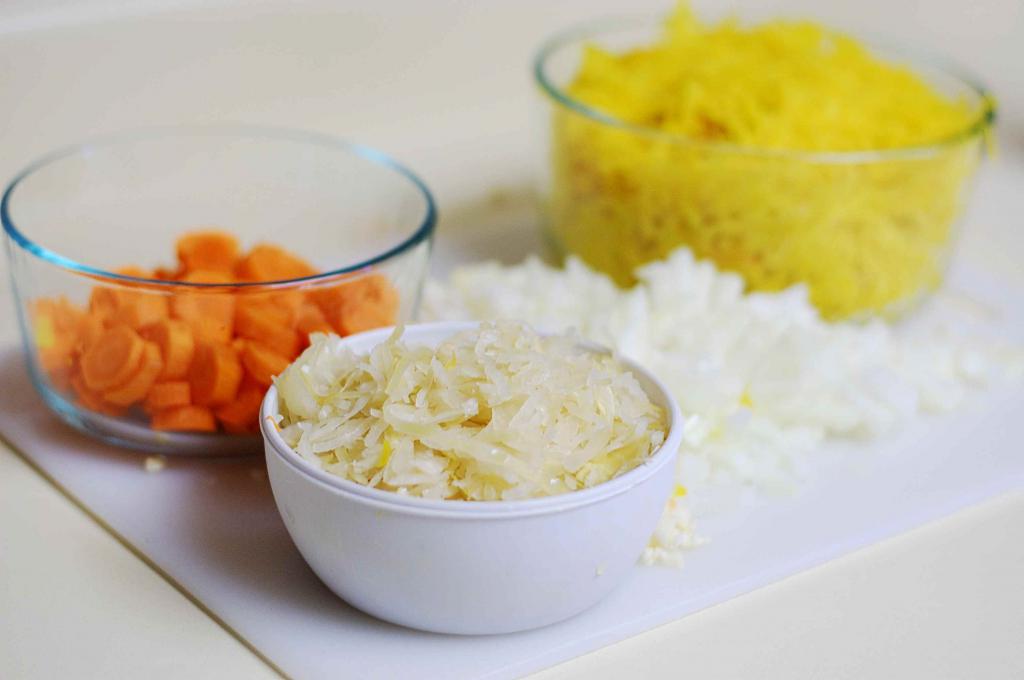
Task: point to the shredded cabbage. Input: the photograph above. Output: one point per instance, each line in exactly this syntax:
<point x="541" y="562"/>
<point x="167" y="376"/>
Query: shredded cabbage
<point x="495" y="413"/>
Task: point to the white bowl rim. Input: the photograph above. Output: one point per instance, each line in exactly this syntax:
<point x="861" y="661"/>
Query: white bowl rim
<point x="469" y="510"/>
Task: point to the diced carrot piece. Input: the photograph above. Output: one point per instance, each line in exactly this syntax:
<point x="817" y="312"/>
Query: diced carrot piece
<point x="263" y="363"/>
<point x="93" y="400"/>
<point x="163" y="395"/>
<point x="184" y="419"/>
<point x="168" y="274"/>
<point x="106" y="301"/>
<point x="103" y="302"/>
<point x="136" y="387"/>
<point x="210" y="314"/>
<point x="60" y="313"/>
<point x="90" y="328"/>
<point x="310" y="319"/>
<point x="242" y="414"/>
<point x="265" y="322"/>
<point x="208" y="250"/>
<point x="59" y="369"/>
<point x="215" y="374"/>
<point x="174" y="338"/>
<point x="271" y="263"/>
<point x="132" y="270"/>
<point x="137" y="309"/>
<point x="361" y="304"/>
<point x="54" y="331"/>
<point x="113" y="358"/>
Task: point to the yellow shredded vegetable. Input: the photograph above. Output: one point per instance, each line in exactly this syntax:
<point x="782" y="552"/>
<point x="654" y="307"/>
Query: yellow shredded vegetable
<point x="746" y="175"/>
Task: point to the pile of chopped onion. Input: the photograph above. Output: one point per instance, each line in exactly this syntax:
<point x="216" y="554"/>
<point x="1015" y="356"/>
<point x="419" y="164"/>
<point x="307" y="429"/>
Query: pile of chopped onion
<point x="495" y="413"/>
<point x="762" y="380"/>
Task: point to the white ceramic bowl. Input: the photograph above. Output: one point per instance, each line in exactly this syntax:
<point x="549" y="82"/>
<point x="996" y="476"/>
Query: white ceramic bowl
<point x="469" y="567"/>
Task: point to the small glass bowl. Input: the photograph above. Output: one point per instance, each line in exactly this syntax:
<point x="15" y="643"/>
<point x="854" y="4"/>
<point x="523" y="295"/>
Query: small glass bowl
<point x="869" y="232"/>
<point x="74" y="219"/>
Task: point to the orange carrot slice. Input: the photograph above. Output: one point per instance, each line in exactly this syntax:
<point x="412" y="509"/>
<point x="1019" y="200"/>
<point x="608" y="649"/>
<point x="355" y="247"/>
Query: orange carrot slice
<point x="62" y="316"/>
<point x="90" y="328"/>
<point x="242" y="414"/>
<point x="208" y="250"/>
<point x="103" y="302"/>
<point x="163" y="395"/>
<point x="263" y="363"/>
<point x="138" y="309"/>
<point x="271" y="263"/>
<point x="310" y="319"/>
<point x="113" y="358"/>
<point x="168" y="274"/>
<point x="93" y="400"/>
<point x="184" y="419"/>
<point x="54" y="331"/>
<point x="210" y="314"/>
<point x="215" y="374"/>
<point x="106" y="301"/>
<point x="360" y="304"/>
<point x="174" y="338"/>
<point x="265" y="322"/>
<point x="136" y="387"/>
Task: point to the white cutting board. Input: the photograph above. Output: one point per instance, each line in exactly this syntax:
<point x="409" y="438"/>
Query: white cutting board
<point x="212" y="527"/>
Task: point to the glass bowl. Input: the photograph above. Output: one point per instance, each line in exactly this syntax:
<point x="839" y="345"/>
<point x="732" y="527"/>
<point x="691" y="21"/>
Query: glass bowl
<point x="146" y="357"/>
<point x="869" y="232"/>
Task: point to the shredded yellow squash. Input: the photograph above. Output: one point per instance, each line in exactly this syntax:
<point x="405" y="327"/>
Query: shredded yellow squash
<point x="726" y="146"/>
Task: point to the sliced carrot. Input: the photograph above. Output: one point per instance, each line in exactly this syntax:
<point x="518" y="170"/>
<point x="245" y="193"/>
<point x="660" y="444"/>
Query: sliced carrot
<point x="167" y="394"/>
<point x="59" y="369"/>
<point x="267" y="323"/>
<point x="168" y="274"/>
<point x="93" y="400"/>
<point x="310" y="319"/>
<point x="106" y="301"/>
<point x="103" y="302"/>
<point x="54" y="332"/>
<point x="360" y="304"/>
<point x="208" y="250"/>
<point x="90" y="328"/>
<point x="137" y="309"/>
<point x="215" y="374"/>
<point x="242" y="414"/>
<point x="113" y="358"/>
<point x="262" y="363"/>
<point x="271" y="263"/>
<point x="136" y="387"/>
<point x="59" y="312"/>
<point x="184" y="419"/>
<point x="133" y="270"/>
<point x="176" y="343"/>
<point x="286" y="302"/>
<point x="209" y="313"/>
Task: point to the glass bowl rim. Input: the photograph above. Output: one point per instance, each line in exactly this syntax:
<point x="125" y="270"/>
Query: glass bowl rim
<point x="240" y="131"/>
<point x="594" y="28"/>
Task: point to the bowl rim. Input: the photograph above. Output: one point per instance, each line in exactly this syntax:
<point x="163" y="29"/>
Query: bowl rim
<point x="422" y="232"/>
<point x="475" y="510"/>
<point x="588" y="31"/>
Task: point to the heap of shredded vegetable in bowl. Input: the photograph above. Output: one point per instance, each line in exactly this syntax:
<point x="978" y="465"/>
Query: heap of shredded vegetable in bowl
<point x="494" y="413"/>
<point x="763" y="148"/>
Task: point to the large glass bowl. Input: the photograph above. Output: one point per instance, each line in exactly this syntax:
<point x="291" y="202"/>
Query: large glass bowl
<point x="869" y="232"/>
<point x="74" y="219"/>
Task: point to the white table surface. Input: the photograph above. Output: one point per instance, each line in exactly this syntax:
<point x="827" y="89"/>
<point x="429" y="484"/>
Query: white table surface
<point x="444" y="86"/>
